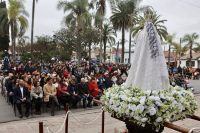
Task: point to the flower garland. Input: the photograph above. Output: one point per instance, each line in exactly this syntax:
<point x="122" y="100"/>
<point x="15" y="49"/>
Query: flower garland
<point x="149" y="107"/>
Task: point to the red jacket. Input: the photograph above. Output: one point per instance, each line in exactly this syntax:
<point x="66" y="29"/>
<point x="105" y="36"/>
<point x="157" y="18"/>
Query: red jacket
<point x="93" y="88"/>
<point x="61" y="89"/>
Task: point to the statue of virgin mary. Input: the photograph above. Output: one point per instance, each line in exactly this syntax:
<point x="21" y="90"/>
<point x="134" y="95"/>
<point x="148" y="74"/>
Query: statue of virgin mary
<point x="148" y="69"/>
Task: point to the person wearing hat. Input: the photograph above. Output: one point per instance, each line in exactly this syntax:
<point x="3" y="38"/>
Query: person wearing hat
<point x="50" y="94"/>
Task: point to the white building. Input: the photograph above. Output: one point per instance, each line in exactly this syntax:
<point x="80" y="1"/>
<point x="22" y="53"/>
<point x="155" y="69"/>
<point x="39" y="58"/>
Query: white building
<point x="195" y="60"/>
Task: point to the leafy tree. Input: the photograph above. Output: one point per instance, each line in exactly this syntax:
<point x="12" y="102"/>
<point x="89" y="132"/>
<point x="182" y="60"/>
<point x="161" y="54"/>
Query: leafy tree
<point x="78" y="10"/>
<point x="197" y="49"/>
<point x="66" y="40"/>
<point x="108" y="36"/>
<point x="191" y="40"/>
<point x="17" y="20"/>
<point x="122" y="19"/>
<point x="100" y="16"/>
<point x="91" y="37"/>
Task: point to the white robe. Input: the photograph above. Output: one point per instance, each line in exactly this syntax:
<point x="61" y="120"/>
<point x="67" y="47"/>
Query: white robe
<point x="148" y="70"/>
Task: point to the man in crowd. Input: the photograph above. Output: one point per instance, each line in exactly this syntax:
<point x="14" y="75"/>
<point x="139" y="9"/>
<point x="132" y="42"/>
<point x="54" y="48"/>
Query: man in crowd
<point x="22" y="96"/>
<point x="9" y="84"/>
<point x="73" y="90"/>
<point x="83" y="91"/>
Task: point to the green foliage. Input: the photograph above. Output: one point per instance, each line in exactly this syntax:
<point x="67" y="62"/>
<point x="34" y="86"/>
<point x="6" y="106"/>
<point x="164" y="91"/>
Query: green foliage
<point x="77" y="11"/>
<point x="17" y="21"/>
<point x="191" y="40"/>
<point x="123" y="15"/>
<point x="197" y="49"/>
<point x="123" y="18"/>
<point x="25" y="56"/>
<point x="108" y="36"/>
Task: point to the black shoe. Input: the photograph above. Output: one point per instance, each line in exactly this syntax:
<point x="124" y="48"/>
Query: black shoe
<point x="39" y="112"/>
<point x="95" y="104"/>
<point x="89" y="106"/>
<point x="20" y="116"/>
<point x="27" y="115"/>
<point x="52" y="113"/>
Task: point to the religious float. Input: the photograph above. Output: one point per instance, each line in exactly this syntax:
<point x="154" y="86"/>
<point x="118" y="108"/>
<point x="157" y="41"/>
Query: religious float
<point x="147" y="102"/>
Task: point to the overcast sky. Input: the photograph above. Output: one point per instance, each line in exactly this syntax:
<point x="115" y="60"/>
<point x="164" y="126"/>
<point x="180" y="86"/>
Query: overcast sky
<point x="182" y="15"/>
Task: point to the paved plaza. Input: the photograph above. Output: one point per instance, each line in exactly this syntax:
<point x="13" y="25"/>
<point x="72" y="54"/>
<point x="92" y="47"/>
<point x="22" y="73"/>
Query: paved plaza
<point x="80" y="121"/>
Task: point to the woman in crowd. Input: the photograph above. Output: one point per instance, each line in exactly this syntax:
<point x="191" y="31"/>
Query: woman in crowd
<point x="62" y="93"/>
<point x="50" y="94"/>
<point x="37" y="95"/>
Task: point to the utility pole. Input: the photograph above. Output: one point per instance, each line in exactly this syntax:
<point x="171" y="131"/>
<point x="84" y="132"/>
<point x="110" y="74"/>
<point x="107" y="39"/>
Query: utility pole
<point x="117" y="53"/>
<point x="32" y="26"/>
<point x="180" y="52"/>
<point x="129" y="59"/>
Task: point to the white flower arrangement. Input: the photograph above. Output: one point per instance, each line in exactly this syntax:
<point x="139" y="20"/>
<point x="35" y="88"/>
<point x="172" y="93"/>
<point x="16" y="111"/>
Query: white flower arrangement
<point x="149" y="107"/>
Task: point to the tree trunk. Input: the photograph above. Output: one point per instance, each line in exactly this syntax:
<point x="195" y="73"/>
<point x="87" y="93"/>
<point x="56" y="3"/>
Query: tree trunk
<point x="179" y="58"/>
<point x="79" y="48"/>
<point x="90" y="45"/>
<point x="104" y="50"/>
<point x="123" y="41"/>
<point x="190" y="56"/>
<point x="78" y="45"/>
<point x="129" y="58"/>
<point x="13" y="40"/>
<point x="101" y="40"/>
<point x="169" y="56"/>
<point x="32" y="26"/>
<point x="117" y="52"/>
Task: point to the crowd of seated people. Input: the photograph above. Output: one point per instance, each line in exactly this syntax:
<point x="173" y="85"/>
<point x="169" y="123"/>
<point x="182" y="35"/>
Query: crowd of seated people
<point x="57" y="85"/>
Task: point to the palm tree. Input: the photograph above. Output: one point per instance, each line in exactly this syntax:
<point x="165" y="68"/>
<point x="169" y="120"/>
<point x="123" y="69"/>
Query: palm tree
<point x="32" y="25"/>
<point x="180" y="51"/>
<point x="17" y="20"/>
<point x="108" y="36"/>
<point x="197" y="49"/>
<point x="170" y="41"/>
<point x="77" y="12"/>
<point x="191" y="40"/>
<point x="99" y="18"/>
<point x="122" y="19"/>
<point x="149" y="15"/>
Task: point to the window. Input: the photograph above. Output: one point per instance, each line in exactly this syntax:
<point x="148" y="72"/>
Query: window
<point x="192" y="63"/>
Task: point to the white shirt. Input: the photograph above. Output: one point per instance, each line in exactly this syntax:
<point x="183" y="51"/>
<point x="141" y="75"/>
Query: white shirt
<point x="21" y="88"/>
